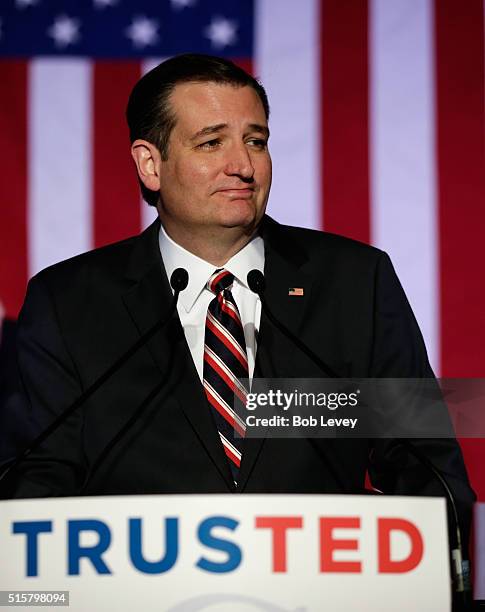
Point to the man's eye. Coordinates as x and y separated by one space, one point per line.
210 144
259 143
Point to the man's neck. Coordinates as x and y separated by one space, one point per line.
216 247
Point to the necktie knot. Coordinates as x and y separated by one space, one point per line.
219 281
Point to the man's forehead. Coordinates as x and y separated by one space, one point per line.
210 103
201 88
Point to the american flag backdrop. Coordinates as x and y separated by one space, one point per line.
378 133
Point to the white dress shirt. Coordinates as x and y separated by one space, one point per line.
194 300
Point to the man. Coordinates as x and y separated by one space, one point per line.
15 428
199 135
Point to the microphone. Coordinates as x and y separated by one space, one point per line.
460 566
178 281
257 284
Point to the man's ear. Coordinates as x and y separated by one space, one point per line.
147 160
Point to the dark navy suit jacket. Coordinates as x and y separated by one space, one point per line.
81 314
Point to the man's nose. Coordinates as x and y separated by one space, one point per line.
239 162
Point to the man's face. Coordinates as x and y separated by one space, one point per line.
218 171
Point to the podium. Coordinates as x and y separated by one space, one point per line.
224 553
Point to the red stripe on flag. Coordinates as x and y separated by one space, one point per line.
461 189
116 197
244 63
13 186
344 94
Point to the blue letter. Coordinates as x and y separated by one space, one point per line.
233 551
76 551
171 547
32 530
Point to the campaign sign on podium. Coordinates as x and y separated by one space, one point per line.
229 552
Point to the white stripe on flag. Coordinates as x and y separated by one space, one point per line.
286 60
151 62
148 213
59 196
402 151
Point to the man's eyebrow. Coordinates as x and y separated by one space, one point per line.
214 129
255 127
207 131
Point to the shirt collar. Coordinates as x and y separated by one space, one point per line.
175 256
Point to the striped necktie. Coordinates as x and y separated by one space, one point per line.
225 363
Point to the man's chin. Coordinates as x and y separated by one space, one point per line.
239 214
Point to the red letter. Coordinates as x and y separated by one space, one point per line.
328 544
386 564
279 525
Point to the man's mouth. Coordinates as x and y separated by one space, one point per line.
237 192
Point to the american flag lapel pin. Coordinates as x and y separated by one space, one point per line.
295 291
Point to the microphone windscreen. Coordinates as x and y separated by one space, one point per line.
179 279
256 281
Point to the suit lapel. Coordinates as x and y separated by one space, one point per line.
147 301
276 355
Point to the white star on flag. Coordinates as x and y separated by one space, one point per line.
64 30
103 3
221 32
180 4
143 31
24 3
